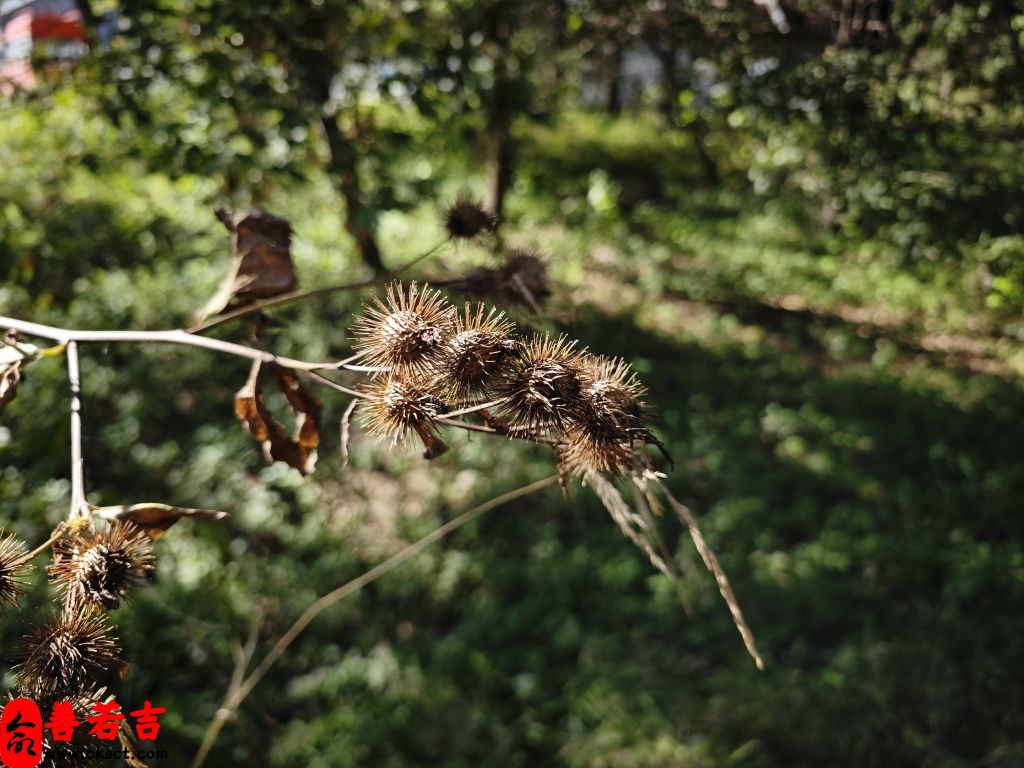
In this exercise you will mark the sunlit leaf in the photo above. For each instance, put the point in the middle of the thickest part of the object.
(261, 265)
(156, 518)
(13, 355)
(298, 450)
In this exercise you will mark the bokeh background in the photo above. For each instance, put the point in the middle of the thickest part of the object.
(800, 221)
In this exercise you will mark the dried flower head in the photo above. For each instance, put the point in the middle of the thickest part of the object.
(14, 567)
(599, 445)
(543, 387)
(467, 219)
(616, 422)
(101, 568)
(521, 281)
(407, 332)
(64, 653)
(398, 406)
(473, 357)
(613, 390)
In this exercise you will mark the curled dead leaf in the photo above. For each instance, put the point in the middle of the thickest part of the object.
(13, 356)
(261, 266)
(298, 450)
(155, 518)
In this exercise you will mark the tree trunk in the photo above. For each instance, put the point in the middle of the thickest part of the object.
(360, 220)
(699, 131)
(499, 162)
(670, 108)
(613, 94)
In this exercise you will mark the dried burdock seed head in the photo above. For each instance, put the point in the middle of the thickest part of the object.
(406, 333)
(599, 445)
(101, 568)
(605, 439)
(64, 653)
(467, 219)
(617, 412)
(527, 277)
(521, 281)
(14, 567)
(398, 406)
(543, 387)
(613, 390)
(473, 357)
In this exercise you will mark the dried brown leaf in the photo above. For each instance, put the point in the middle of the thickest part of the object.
(298, 450)
(155, 518)
(261, 266)
(13, 355)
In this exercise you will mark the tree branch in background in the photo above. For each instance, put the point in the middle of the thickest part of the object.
(168, 337)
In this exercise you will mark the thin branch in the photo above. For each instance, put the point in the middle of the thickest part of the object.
(232, 703)
(58, 532)
(274, 301)
(413, 262)
(243, 656)
(346, 429)
(79, 505)
(67, 335)
(467, 426)
(287, 298)
(319, 377)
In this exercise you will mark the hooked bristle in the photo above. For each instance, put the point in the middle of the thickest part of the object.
(397, 406)
(62, 654)
(599, 446)
(14, 568)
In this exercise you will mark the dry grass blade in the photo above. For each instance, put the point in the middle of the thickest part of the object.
(711, 561)
(633, 526)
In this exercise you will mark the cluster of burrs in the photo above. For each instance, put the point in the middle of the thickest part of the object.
(68, 656)
(433, 365)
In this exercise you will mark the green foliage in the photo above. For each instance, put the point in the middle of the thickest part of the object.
(831, 336)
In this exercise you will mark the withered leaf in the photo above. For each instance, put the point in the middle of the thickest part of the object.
(155, 518)
(261, 266)
(298, 450)
(13, 355)
(433, 446)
